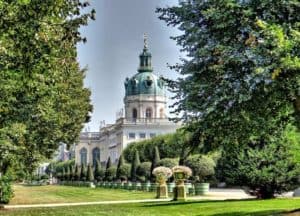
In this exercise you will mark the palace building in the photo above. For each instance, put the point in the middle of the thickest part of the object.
(145, 116)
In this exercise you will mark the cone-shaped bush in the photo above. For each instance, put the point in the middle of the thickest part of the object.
(68, 173)
(83, 174)
(155, 161)
(121, 162)
(90, 173)
(77, 172)
(73, 172)
(108, 165)
(63, 174)
(134, 165)
(99, 173)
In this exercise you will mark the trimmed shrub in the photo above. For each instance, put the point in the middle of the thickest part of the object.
(111, 173)
(168, 162)
(6, 192)
(155, 160)
(134, 165)
(99, 173)
(124, 172)
(90, 173)
(83, 174)
(144, 171)
(202, 166)
(77, 172)
(121, 162)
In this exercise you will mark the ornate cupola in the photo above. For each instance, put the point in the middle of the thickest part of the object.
(145, 92)
(145, 82)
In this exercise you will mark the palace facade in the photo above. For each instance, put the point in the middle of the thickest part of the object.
(145, 116)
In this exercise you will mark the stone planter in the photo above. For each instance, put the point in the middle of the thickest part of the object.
(201, 188)
(171, 186)
(161, 191)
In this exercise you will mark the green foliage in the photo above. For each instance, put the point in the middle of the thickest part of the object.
(110, 173)
(68, 173)
(43, 100)
(239, 86)
(144, 171)
(134, 165)
(77, 172)
(265, 169)
(169, 146)
(108, 163)
(99, 172)
(6, 191)
(168, 162)
(83, 173)
(240, 81)
(293, 140)
(202, 166)
(121, 162)
(90, 173)
(155, 160)
(57, 167)
(124, 172)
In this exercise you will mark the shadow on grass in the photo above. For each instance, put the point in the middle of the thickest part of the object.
(172, 203)
(254, 213)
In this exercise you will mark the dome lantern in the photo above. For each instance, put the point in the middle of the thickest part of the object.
(145, 58)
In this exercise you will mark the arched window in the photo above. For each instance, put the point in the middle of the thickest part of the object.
(83, 156)
(96, 156)
(134, 113)
(161, 113)
(148, 113)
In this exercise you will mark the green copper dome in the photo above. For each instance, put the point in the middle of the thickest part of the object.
(145, 81)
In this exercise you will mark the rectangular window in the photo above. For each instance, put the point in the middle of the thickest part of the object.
(152, 135)
(131, 135)
(142, 135)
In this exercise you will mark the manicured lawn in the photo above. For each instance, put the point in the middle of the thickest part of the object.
(63, 194)
(216, 208)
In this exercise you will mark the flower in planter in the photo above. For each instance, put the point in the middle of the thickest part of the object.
(162, 174)
(181, 172)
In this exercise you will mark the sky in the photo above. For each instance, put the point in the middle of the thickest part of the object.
(114, 42)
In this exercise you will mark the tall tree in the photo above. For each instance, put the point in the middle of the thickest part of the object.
(43, 101)
(108, 165)
(121, 162)
(240, 83)
(154, 162)
(90, 173)
(242, 76)
(134, 165)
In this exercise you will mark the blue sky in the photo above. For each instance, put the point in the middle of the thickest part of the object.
(115, 40)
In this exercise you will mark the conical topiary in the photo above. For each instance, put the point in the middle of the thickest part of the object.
(90, 173)
(155, 161)
(121, 162)
(134, 165)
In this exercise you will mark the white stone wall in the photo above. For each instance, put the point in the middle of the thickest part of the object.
(142, 102)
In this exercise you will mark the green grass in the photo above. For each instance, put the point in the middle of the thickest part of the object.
(63, 194)
(59, 194)
(216, 208)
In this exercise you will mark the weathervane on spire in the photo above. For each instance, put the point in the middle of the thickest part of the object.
(145, 41)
